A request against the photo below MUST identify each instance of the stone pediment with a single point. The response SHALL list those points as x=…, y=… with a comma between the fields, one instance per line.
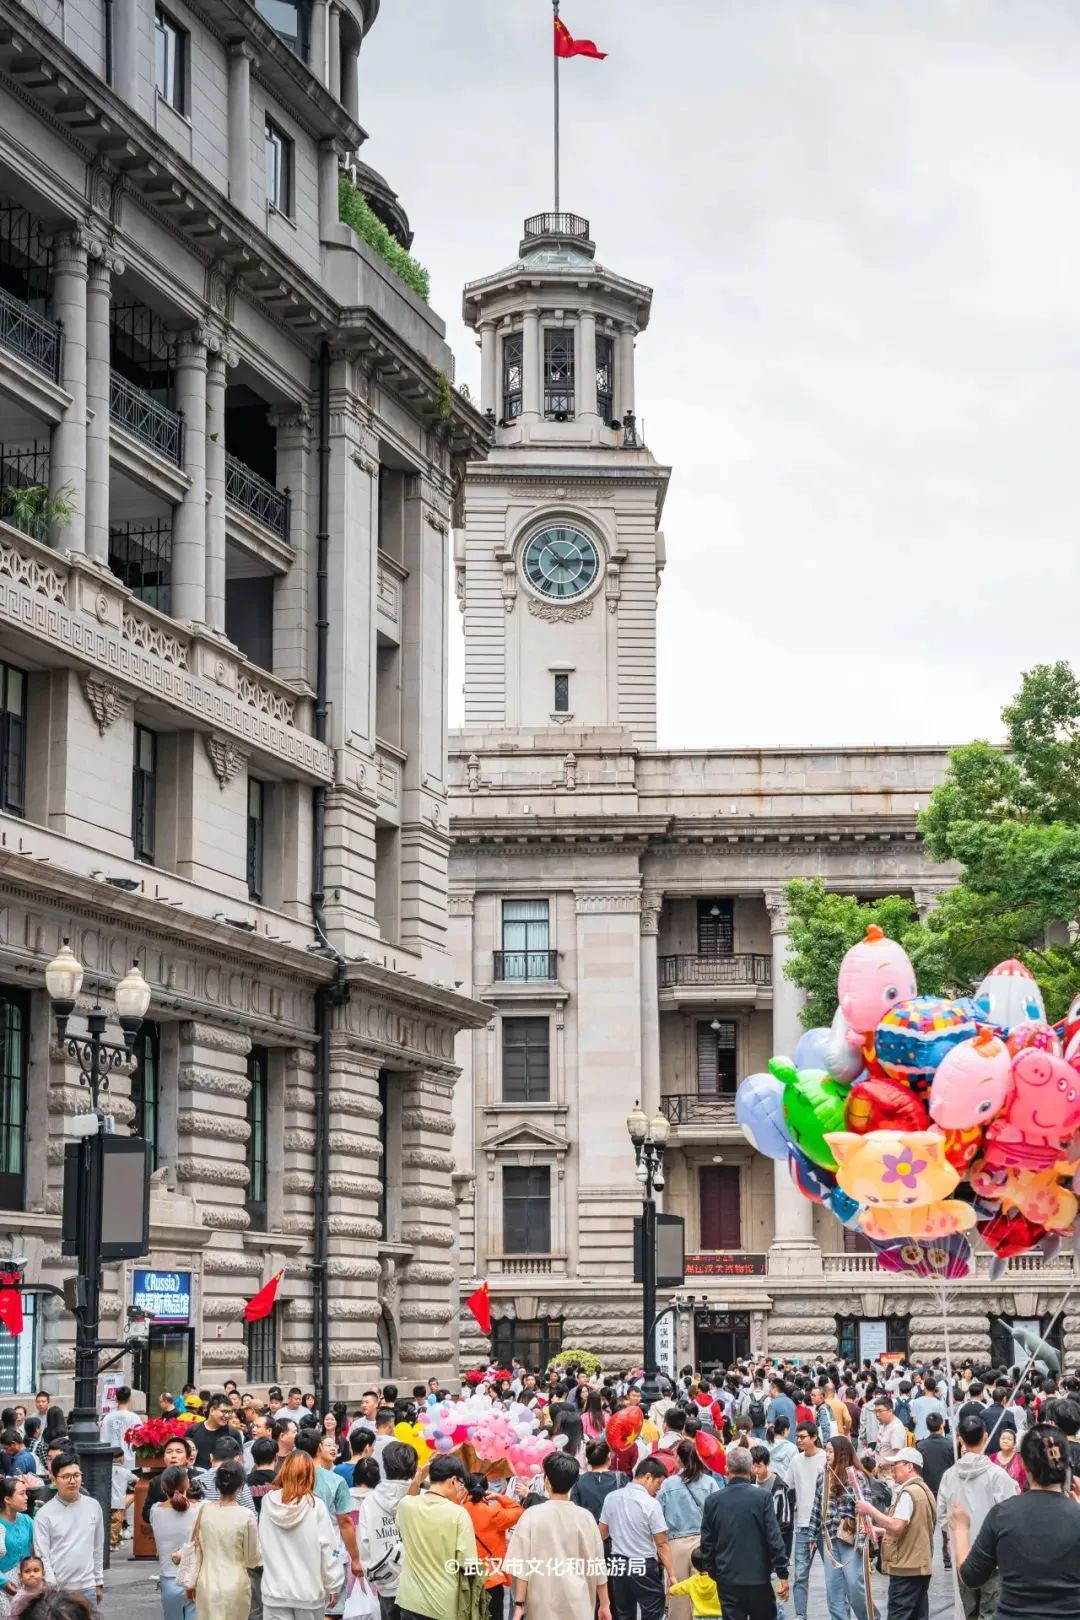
x=524, y=1138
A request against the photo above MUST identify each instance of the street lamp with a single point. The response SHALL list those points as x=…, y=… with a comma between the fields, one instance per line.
x=649, y=1138
x=97, y=1059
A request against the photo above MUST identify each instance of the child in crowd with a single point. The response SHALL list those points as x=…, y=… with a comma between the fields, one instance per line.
x=699, y=1588
x=31, y=1582
x=123, y=1494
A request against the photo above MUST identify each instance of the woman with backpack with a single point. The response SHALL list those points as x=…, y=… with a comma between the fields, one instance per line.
x=492, y=1517
x=682, y=1501
x=837, y=1532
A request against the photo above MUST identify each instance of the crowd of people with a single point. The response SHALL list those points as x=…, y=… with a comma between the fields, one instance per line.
x=715, y=1500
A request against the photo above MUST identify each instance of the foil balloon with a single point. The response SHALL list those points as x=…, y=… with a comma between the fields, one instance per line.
x=711, y=1451
x=1041, y=1116
x=412, y=1435
x=1041, y=1036
x=813, y=1106
x=946, y=1257
x=1009, y=995
x=1069, y=1031
x=623, y=1427
x=846, y=1210
x=961, y=1147
x=812, y=1181
x=972, y=1083
x=883, y=1104
x=844, y=1058
x=1009, y=1235
x=874, y=975
x=759, y=1111
x=1039, y=1196
x=904, y=1179
x=812, y=1050
x=913, y=1037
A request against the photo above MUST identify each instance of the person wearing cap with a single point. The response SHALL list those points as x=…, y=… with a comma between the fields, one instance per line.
x=907, y=1552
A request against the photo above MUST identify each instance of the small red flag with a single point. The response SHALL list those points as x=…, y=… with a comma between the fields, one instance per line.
x=480, y=1305
x=262, y=1303
x=567, y=45
x=11, y=1311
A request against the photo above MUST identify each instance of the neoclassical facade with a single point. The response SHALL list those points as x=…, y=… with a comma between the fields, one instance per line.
x=229, y=450
x=619, y=907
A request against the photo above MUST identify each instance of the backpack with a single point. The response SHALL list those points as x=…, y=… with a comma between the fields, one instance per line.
x=667, y=1460
x=783, y=1500
x=902, y=1410
x=756, y=1413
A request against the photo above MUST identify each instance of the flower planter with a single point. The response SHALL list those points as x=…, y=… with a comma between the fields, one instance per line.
x=143, y=1544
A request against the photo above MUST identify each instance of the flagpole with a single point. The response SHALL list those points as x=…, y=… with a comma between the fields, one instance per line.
x=555, y=8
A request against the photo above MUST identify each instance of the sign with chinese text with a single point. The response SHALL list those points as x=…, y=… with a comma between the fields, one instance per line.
x=726, y=1265
x=163, y=1295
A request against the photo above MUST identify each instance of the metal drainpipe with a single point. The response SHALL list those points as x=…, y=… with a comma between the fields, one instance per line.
x=327, y=996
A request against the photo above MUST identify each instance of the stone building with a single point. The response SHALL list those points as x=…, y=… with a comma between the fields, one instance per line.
x=228, y=455
x=619, y=907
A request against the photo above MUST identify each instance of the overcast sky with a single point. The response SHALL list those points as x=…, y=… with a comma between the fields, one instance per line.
x=861, y=219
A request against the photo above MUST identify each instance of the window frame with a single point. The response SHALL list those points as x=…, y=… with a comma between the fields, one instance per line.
x=144, y=797
x=533, y=1226
x=560, y=370
x=512, y=394
x=605, y=377
x=510, y=1337
x=13, y=738
x=147, y=1103
x=284, y=169
x=261, y=1348
x=256, y=840
x=528, y=948
x=19, y=1354
x=258, y=1144
x=14, y=1096
x=561, y=696
x=713, y=1048
x=720, y=1175
x=176, y=94
x=532, y=1091
x=716, y=935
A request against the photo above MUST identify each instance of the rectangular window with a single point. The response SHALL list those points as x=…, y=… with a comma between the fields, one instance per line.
x=19, y=1356
x=526, y=1209
x=279, y=170
x=513, y=353
x=14, y=1045
x=144, y=795
x=12, y=740
x=526, y=1060
x=562, y=694
x=260, y=1340
x=292, y=20
x=721, y=1213
x=559, y=373
x=605, y=378
x=170, y=61
x=526, y=940
x=718, y=1069
x=258, y=1064
x=715, y=927
x=532, y=1342
x=256, y=800
x=144, y=1086
x=384, y=1155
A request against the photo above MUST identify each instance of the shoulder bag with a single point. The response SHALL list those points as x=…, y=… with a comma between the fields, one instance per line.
x=189, y=1563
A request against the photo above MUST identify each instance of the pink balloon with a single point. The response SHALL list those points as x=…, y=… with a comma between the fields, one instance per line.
x=443, y=1442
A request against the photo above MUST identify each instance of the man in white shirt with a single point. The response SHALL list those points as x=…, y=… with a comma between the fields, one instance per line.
x=803, y=1475
x=294, y=1408
x=384, y=1435
x=634, y=1520
x=891, y=1435
x=925, y=1403
x=117, y=1424
x=69, y=1535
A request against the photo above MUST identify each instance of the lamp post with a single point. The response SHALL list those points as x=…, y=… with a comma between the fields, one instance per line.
x=649, y=1138
x=96, y=1059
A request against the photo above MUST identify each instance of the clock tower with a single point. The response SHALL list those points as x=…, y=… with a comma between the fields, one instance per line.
x=559, y=557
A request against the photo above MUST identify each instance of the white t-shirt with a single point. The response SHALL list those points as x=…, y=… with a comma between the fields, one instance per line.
x=115, y=1427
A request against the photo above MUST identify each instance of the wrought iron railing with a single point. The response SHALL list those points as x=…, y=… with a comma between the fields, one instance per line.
x=512, y=405
x=693, y=1109
x=513, y=965
x=256, y=496
x=34, y=338
x=558, y=225
x=140, y=555
x=715, y=970
x=558, y=402
x=139, y=413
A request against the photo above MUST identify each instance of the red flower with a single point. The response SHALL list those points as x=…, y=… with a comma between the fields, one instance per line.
x=149, y=1439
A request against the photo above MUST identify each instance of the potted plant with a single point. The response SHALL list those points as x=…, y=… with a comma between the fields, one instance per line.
x=148, y=1441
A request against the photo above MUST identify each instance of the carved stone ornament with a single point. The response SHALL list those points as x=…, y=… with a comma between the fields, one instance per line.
x=557, y=614
x=226, y=756
x=107, y=700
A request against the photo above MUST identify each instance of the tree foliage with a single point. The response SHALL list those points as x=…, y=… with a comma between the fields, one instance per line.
x=1009, y=820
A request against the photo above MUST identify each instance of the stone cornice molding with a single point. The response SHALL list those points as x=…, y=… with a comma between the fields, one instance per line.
x=603, y=900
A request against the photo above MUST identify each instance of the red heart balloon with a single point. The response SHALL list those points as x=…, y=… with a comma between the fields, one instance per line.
x=1007, y=1235
x=622, y=1428
x=884, y=1105
x=711, y=1452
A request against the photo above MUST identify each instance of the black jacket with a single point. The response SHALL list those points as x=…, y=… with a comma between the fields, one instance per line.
x=741, y=1544
x=937, y=1454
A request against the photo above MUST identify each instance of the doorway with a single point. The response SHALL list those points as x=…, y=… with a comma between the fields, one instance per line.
x=168, y=1362
x=721, y=1338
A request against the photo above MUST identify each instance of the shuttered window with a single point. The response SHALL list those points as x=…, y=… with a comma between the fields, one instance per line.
x=715, y=928
x=526, y=1065
x=717, y=1068
x=721, y=1217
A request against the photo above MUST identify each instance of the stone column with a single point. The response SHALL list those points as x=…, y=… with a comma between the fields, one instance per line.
x=651, y=905
x=352, y=1248
x=318, y=39
x=530, y=363
x=215, y=489
x=292, y=618
x=189, y=518
x=350, y=79
x=333, y=66
x=586, y=368
x=428, y=1296
x=625, y=379
x=489, y=345
x=241, y=59
x=125, y=55
x=794, y=1251
x=927, y=897
x=331, y=152
x=98, y=295
x=67, y=459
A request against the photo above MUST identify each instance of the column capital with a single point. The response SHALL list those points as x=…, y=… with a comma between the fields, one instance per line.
x=652, y=902
x=104, y=264
x=194, y=343
x=291, y=419
x=927, y=897
x=72, y=250
x=241, y=48
x=776, y=906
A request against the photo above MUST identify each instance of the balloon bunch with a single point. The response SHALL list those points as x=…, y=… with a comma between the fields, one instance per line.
x=496, y=1434
x=883, y=1115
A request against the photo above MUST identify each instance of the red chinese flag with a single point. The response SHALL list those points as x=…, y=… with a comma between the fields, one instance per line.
x=480, y=1305
x=567, y=45
x=11, y=1313
x=263, y=1302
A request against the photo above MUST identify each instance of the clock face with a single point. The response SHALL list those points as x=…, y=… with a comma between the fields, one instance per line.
x=561, y=563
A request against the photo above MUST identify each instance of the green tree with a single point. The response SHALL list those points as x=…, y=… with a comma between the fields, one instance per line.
x=1008, y=820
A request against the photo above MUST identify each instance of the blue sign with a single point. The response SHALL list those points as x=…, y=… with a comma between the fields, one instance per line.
x=163, y=1295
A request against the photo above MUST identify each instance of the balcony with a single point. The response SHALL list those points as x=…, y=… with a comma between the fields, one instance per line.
x=31, y=337
x=557, y=225
x=713, y=971
x=527, y=1265
x=256, y=497
x=866, y=1265
x=522, y=967
x=694, y=1110
x=140, y=414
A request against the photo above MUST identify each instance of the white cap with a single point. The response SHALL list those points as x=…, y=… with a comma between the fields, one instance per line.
x=908, y=1454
